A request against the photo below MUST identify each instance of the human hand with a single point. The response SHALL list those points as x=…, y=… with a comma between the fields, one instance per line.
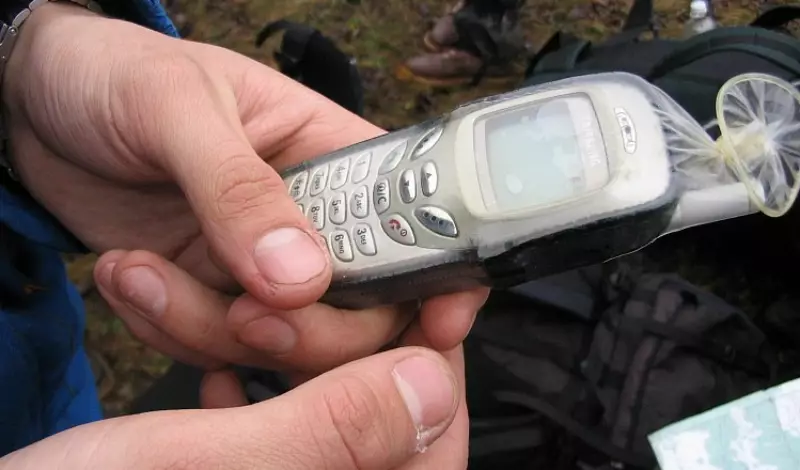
x=190, y=326
x=373, y=414
x=135, y=140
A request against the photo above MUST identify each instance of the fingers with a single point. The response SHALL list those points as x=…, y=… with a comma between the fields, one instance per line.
x=446, y=320
x=374, y=414
x=222, y=389
x=243, y=205
x=451, y=450
x=325, y=337
x=171, y=311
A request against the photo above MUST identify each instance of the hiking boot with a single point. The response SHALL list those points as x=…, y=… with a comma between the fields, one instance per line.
x=451, y=67
x=442, y=35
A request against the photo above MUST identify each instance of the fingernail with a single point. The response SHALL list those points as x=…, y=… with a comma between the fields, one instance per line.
x=428, y=392
x=105, y=274
x=143, y=289
x=289, y=256
x=269, y=334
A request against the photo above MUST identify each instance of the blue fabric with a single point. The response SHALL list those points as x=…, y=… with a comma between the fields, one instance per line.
x=47, y=383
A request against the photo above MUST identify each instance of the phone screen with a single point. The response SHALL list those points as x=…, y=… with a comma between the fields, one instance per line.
x=534, y=155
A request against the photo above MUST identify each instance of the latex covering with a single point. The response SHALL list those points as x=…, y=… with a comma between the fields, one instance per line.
x=758, y=147
x=759, y=142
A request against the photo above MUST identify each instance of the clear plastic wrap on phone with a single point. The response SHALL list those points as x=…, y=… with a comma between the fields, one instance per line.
x=752, y=166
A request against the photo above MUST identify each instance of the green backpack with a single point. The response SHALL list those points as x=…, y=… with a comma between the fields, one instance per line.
x=690, y=70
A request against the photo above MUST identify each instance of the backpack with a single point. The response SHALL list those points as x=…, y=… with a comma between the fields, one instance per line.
x=309, y=57
x=690, y=70
x=580, y=385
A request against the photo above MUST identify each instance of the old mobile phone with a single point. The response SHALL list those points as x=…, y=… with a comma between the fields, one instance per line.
x=498, y=192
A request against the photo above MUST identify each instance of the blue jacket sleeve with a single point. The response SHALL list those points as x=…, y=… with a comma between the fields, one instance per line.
x=48, y=385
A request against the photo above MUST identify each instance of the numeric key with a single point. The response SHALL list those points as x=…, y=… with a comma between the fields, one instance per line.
x=340, y=245
x=340, y=172
x=364, y=240
x=338, y=209
x=316, y=214
x=319, y=180
x=359, y=202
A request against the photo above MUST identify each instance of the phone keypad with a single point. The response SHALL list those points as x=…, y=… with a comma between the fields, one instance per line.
x=393, y=158
x=365, y=241
x=429, y=178
x=298, y=187
x=382, y=197
x=319, y=181
x=316, y=214
x=437, y=220
x=340, y=173
x=338, y=208
x=341, y=246
x=342, y=201
x=408, y=186
x=361, y=167
x=427, y=142
x=398, y=229
x=359, y=202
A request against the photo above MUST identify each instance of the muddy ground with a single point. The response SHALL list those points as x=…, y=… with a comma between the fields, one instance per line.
x=380, y=34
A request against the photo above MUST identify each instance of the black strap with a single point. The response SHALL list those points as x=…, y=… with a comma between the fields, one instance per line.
x=563, y=51
x=726, y=353
x=640, y=16
x=509, y=440
x=639, y=21
x=559, y=53
x=312, y=59
x=777, y=17
x=781, y=50
x=488, y=333
x=294, y=45
x=589, y=437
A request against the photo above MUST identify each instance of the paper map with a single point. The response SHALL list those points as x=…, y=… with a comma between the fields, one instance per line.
x=758, y=432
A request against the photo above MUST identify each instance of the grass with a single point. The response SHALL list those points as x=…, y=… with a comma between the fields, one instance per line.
x=380, y=34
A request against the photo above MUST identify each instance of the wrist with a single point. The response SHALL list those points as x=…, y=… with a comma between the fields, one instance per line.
x=45, y=18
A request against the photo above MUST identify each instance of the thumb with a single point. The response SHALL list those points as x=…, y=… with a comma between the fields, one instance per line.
x=251, y=223
x=374, y=414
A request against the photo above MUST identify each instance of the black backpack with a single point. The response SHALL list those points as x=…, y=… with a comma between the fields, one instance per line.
x=311, y=58
x=581, y=384
x=690, y=70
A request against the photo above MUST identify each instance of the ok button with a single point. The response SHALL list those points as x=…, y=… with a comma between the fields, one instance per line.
x=381, y=196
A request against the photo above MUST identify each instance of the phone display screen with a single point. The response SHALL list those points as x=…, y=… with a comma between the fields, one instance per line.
x=536, y=155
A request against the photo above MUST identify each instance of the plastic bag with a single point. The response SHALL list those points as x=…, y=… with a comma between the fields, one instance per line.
x=751, y=167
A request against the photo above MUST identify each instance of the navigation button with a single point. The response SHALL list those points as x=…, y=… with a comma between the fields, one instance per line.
x=359, y=202
x=365, y=241
x=437, y=220
x=340, y=245
x=298, y=187
x=316, y=214
x=361, y=167
x=340, y=173
x=319, y=180
x=338, y=209
x=381, y=197
x=427, y=142
x=408, y=186
x=430, y=178
x=391, y=160
x=398, y=229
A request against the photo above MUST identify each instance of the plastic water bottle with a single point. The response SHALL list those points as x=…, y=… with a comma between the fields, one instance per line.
x=701, y=18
